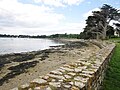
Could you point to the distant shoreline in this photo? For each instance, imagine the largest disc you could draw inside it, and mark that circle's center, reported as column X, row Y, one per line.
column 43, row 36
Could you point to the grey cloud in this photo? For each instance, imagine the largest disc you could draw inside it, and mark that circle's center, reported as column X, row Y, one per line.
column 8, row 19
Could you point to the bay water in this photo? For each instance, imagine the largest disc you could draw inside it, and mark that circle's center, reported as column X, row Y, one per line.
column 18, row 45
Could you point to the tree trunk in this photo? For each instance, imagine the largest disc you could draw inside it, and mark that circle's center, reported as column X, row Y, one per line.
column 105, row 31
column 97, row 36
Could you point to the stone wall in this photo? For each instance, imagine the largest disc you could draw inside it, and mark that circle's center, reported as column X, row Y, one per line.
column 84, row 74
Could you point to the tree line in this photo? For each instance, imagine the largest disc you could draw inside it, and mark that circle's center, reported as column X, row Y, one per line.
column 44, row 36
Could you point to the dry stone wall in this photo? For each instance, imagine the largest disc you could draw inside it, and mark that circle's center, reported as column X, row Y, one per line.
column 84, row 74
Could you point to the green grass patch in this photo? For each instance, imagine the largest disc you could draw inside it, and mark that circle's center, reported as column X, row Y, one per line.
column 115, row 39
column 112, row 78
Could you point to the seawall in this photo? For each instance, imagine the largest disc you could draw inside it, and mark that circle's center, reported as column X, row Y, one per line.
column 84, row 74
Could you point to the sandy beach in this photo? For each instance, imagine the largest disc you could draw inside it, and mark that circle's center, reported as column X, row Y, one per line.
column 18, row 69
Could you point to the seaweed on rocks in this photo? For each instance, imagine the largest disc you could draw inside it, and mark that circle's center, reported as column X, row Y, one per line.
column 44, row 56
column 1, row 65
column 16, row 57
column 16, row 70
column 4, row 60
column 23, row 58
column 23, row 66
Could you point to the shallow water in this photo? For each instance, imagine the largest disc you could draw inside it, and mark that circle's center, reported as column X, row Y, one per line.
column 17, row 45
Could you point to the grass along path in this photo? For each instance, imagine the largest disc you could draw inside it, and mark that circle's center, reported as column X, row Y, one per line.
column 112, row 78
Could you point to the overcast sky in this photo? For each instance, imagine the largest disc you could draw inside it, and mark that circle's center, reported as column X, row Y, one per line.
column 39, row 17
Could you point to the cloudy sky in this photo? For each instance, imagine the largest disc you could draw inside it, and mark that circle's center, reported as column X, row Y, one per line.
column 38, row 17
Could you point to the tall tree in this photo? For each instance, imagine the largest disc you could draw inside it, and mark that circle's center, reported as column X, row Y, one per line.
column 92, row 29
column 98, row 23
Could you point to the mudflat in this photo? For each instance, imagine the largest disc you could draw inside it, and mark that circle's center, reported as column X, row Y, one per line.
column 20, row 68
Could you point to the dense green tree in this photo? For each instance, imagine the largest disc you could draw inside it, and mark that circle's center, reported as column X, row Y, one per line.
column 92, row 30
column 98, row 24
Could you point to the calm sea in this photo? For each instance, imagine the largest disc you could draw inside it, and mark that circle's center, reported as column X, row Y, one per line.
column 17, row 45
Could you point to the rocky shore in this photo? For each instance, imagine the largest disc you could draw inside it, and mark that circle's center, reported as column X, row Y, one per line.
column 24, row 67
